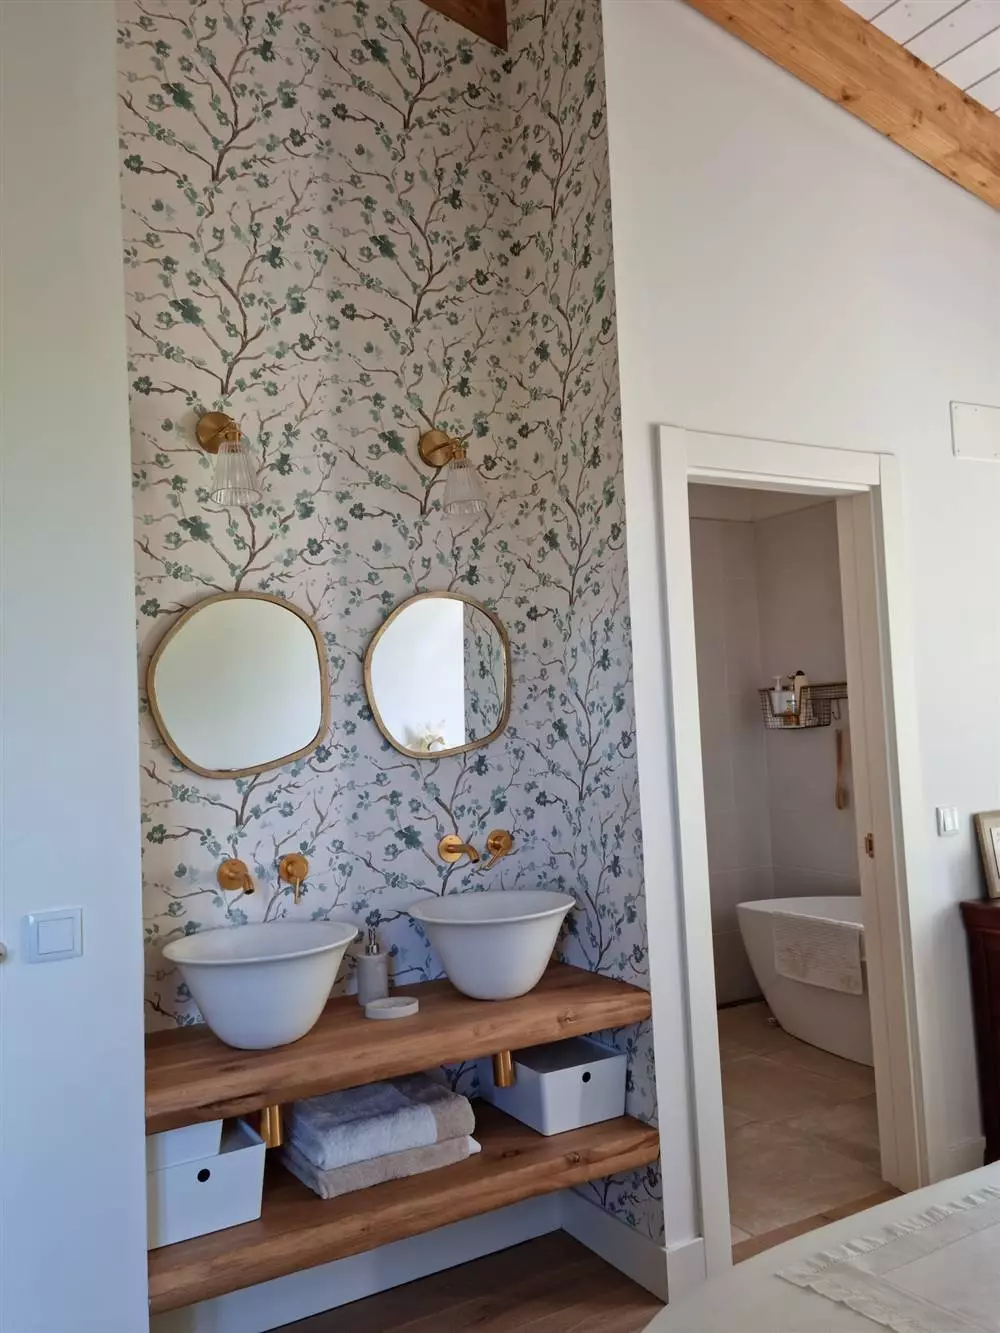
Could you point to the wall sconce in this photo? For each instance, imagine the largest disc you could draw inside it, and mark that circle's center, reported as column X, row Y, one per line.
column 234, row 481
column 463, row 487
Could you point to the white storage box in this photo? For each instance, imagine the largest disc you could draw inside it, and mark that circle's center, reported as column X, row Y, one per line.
column 186, row 1144
column 193, row 1198
column 563, row 1085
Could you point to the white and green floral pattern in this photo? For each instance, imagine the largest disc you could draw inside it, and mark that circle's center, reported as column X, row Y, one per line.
column 348, row 221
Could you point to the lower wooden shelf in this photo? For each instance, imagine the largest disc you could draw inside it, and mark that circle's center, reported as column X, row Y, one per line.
column 297, row 1230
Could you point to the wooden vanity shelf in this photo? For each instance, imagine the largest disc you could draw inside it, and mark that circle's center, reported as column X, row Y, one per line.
column 191, row 1076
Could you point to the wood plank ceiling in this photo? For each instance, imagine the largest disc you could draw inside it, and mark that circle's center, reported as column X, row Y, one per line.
column 958, row 38
column 842, row 51
column 486, row 18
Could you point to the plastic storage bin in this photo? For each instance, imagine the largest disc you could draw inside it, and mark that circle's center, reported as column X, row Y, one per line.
column 208, row 1194
column 563, row 1085
column 186, row 1144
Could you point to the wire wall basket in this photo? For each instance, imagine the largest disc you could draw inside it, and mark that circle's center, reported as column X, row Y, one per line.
column 819, row 705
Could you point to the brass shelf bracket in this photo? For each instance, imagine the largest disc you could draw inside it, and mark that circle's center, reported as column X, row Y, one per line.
column 503, row 1070
column 272, row 1129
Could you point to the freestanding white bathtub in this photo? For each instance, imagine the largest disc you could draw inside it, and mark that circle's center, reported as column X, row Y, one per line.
column 826, row 1018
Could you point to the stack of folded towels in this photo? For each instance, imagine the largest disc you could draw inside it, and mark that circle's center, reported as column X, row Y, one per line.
column 349, row 1140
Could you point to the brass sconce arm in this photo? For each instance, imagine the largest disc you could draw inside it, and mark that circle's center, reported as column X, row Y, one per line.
column 214, row 429
column 436, row 449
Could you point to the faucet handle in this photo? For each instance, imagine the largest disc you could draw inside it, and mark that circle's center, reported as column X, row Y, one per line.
column 293, row 869
column 499, row 843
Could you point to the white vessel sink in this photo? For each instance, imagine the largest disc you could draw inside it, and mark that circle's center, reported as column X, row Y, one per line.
column 262, row 985
column 497, row 944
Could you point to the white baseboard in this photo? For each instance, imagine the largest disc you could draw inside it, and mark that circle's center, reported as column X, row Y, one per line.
column 966, row 1156
column 269, row 1305
column 686, row 1266
column 632, row 1253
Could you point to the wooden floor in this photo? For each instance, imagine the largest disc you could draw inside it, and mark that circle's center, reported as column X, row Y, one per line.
column 548, row 1285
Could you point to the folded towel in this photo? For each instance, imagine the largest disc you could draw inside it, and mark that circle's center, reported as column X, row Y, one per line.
column 358, row 1124
column 392, row 1166
column 819, row 952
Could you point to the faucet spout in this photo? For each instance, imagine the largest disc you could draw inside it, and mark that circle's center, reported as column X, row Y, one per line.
column 451, row 848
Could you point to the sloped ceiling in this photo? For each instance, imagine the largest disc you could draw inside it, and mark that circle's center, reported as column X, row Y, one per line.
column 842, row 51
column 958, row 38
column 486, row 18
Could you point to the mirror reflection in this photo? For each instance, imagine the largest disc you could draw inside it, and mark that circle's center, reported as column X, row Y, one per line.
column 238, row 685
column 438, row 675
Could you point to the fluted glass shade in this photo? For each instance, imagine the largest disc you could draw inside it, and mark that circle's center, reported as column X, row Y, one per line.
column 235, row 479
column 463, row 489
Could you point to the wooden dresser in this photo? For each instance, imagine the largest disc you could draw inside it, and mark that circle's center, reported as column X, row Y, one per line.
column 982, row 925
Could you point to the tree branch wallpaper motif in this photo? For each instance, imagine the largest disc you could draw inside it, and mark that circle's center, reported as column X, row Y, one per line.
column 347, row 222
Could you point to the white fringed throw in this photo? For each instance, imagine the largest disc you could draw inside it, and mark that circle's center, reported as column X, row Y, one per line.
column 936, row 1273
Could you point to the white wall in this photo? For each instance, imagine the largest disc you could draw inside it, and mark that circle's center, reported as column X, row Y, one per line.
column 813, row 844
column 767, row 600
column 784, row 272
column 737, row 809
column 72, row 1245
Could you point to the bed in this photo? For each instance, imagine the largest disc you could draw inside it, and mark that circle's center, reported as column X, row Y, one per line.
column 751, row 1298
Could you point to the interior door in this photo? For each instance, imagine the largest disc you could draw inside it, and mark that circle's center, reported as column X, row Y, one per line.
column 868, row 679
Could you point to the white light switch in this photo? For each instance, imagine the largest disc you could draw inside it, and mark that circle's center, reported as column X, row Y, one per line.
column 947, row 821
column 49, row 937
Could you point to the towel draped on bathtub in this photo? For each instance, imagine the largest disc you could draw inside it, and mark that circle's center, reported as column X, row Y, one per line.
column 819, row 952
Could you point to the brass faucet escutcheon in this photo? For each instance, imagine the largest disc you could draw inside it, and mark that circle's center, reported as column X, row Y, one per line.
column 499, row 843
column 233, row 876
column 293, row 869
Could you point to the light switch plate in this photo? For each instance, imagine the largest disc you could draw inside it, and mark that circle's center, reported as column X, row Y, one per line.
column 947, row 821
column 51, row 937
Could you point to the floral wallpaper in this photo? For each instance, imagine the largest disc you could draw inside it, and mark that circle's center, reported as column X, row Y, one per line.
column 347, row 222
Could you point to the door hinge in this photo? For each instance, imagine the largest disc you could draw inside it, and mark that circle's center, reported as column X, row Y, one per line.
column 870, row 846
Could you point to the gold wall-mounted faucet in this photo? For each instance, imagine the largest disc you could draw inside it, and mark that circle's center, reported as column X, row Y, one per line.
column 233, row 876
column 451, row 848
column 499, row 843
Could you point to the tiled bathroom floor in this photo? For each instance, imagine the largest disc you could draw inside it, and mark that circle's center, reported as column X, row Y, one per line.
column 801, row 1132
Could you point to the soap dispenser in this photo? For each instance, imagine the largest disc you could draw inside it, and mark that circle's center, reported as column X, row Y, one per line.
column 373, row 971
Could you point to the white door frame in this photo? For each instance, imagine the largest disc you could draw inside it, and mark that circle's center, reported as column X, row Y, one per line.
column 889, row 716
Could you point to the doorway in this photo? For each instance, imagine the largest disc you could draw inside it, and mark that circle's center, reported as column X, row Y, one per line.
column 784, row 854
column 885, row 779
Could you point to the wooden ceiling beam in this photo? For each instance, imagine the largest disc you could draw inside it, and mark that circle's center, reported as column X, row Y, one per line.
column 848, row 60
column 486, row 18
